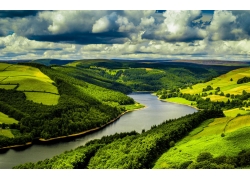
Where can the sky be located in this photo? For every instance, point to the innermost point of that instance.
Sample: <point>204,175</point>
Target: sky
<point>163,32</point>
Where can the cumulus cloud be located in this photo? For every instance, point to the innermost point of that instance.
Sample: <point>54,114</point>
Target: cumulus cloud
<point>18,46</point>
<point>125,34</point>
<point>105,23</point>
<point>177,26</point>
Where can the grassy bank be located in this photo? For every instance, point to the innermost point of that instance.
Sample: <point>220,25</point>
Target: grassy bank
<point>221,136</point>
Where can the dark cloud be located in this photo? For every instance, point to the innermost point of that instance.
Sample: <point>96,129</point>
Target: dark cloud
<point>47,49</point>
<point>141,52</point>
<point>84,38</point>
<point>160,11</point>
<point>207,11</point>
<point>184,38</point>
<point>10,54</point>
<point>2,46</point>
<point>17,13</point>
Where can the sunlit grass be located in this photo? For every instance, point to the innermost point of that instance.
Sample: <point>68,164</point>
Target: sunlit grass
<point>224,82</point>
<point>237,123</point>
<point>44,98</point>
<point>6,132</point>
<point>7,86</point>
<point>180,101</point>
<point>3,66</point>
<point>133,106</point>
<point>6,119</point>
<point>217,98</point>
<point>29,79</point>
<point>234,112</point>
<point>207,138</point>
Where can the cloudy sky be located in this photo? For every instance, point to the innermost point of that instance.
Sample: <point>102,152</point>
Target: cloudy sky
<point>125,34</point>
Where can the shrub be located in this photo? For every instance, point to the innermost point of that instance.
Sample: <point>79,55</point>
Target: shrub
<point>185,164</point>
<point>204,156</point>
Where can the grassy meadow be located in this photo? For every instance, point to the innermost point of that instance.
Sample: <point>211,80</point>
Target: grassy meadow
<point>6,119</point>
<point>30,79</point>
<point>234,112</point>
<point>44,98</point>
<point>208,138</point>
<point>224,82</point>
<point>6,132</point>
<point>181,101</point>
<point>133,106</point>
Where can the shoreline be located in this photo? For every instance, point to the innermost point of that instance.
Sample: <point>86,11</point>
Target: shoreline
<point>181,104</point>
<point>165,100</point>
<point>41,140</point>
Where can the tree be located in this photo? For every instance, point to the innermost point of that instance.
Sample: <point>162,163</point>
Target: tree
<point>222,94</point>
<point>204,156</point>
<point>3,125</point>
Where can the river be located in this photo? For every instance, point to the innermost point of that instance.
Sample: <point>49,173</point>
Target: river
<point>154,113</point>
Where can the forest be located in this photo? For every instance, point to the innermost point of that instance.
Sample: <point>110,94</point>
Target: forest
<point>127,150</point>
<point>92,93</point>
<point>147,75</point>
<point>78,110</point>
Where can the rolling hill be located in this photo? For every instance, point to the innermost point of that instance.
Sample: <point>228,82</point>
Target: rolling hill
<point>36,85</point>
<point>221,137</point>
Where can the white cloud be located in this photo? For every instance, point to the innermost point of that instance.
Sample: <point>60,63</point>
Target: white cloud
<point>105,23</point>
<point>147,35</point>
<point>177,26</point>
<point>71,21</point>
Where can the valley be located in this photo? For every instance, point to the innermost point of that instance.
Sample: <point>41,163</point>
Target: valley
<point>43,101</point>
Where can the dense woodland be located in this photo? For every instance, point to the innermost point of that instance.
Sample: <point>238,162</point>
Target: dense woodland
<point>91,94</point>
<point>77,110</point>
<point>127,150</point>
<point>133,74</point>
<point>205,160</point>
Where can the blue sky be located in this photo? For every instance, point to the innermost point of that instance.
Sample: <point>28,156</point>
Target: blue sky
<point>125,34</point>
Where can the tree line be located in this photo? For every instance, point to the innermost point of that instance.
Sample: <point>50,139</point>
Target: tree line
<point>75,112</point>
<point>129,150</point>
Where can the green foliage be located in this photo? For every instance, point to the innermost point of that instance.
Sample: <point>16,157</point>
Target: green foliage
<point>77,158</point>
<point>141,150</point>
<point>206,161</point>
<point>208,88</point>
<point>143,76</point>
<point>204,156</point>
<point>81,106</point>
<point>243,80</point>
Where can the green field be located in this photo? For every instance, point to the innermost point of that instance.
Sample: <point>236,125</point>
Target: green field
<point>224,82</point>
<point>29,79</point>
<point>6,132</point>
<point>207,138</point>
<point>235,112</point>
<point>6,119</point>
<point>7,86</point>
<point>217,98</point>
<point>133,106</point>
<point>44,98</point>
<point>3,66</point>
<point>180,101</point>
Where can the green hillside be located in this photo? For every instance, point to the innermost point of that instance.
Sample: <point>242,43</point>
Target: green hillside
<point>227,83</point>
<point>82,106</point>
<point>146,75</point>
<point>36,85</point>
<point>127,150</point>
<point>230,92</point>
<point>220,137</point>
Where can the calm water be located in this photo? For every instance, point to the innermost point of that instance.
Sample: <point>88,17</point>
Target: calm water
<point>155,112</point>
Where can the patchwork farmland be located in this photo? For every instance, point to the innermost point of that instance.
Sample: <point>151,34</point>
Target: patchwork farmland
<point>37,86</point>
